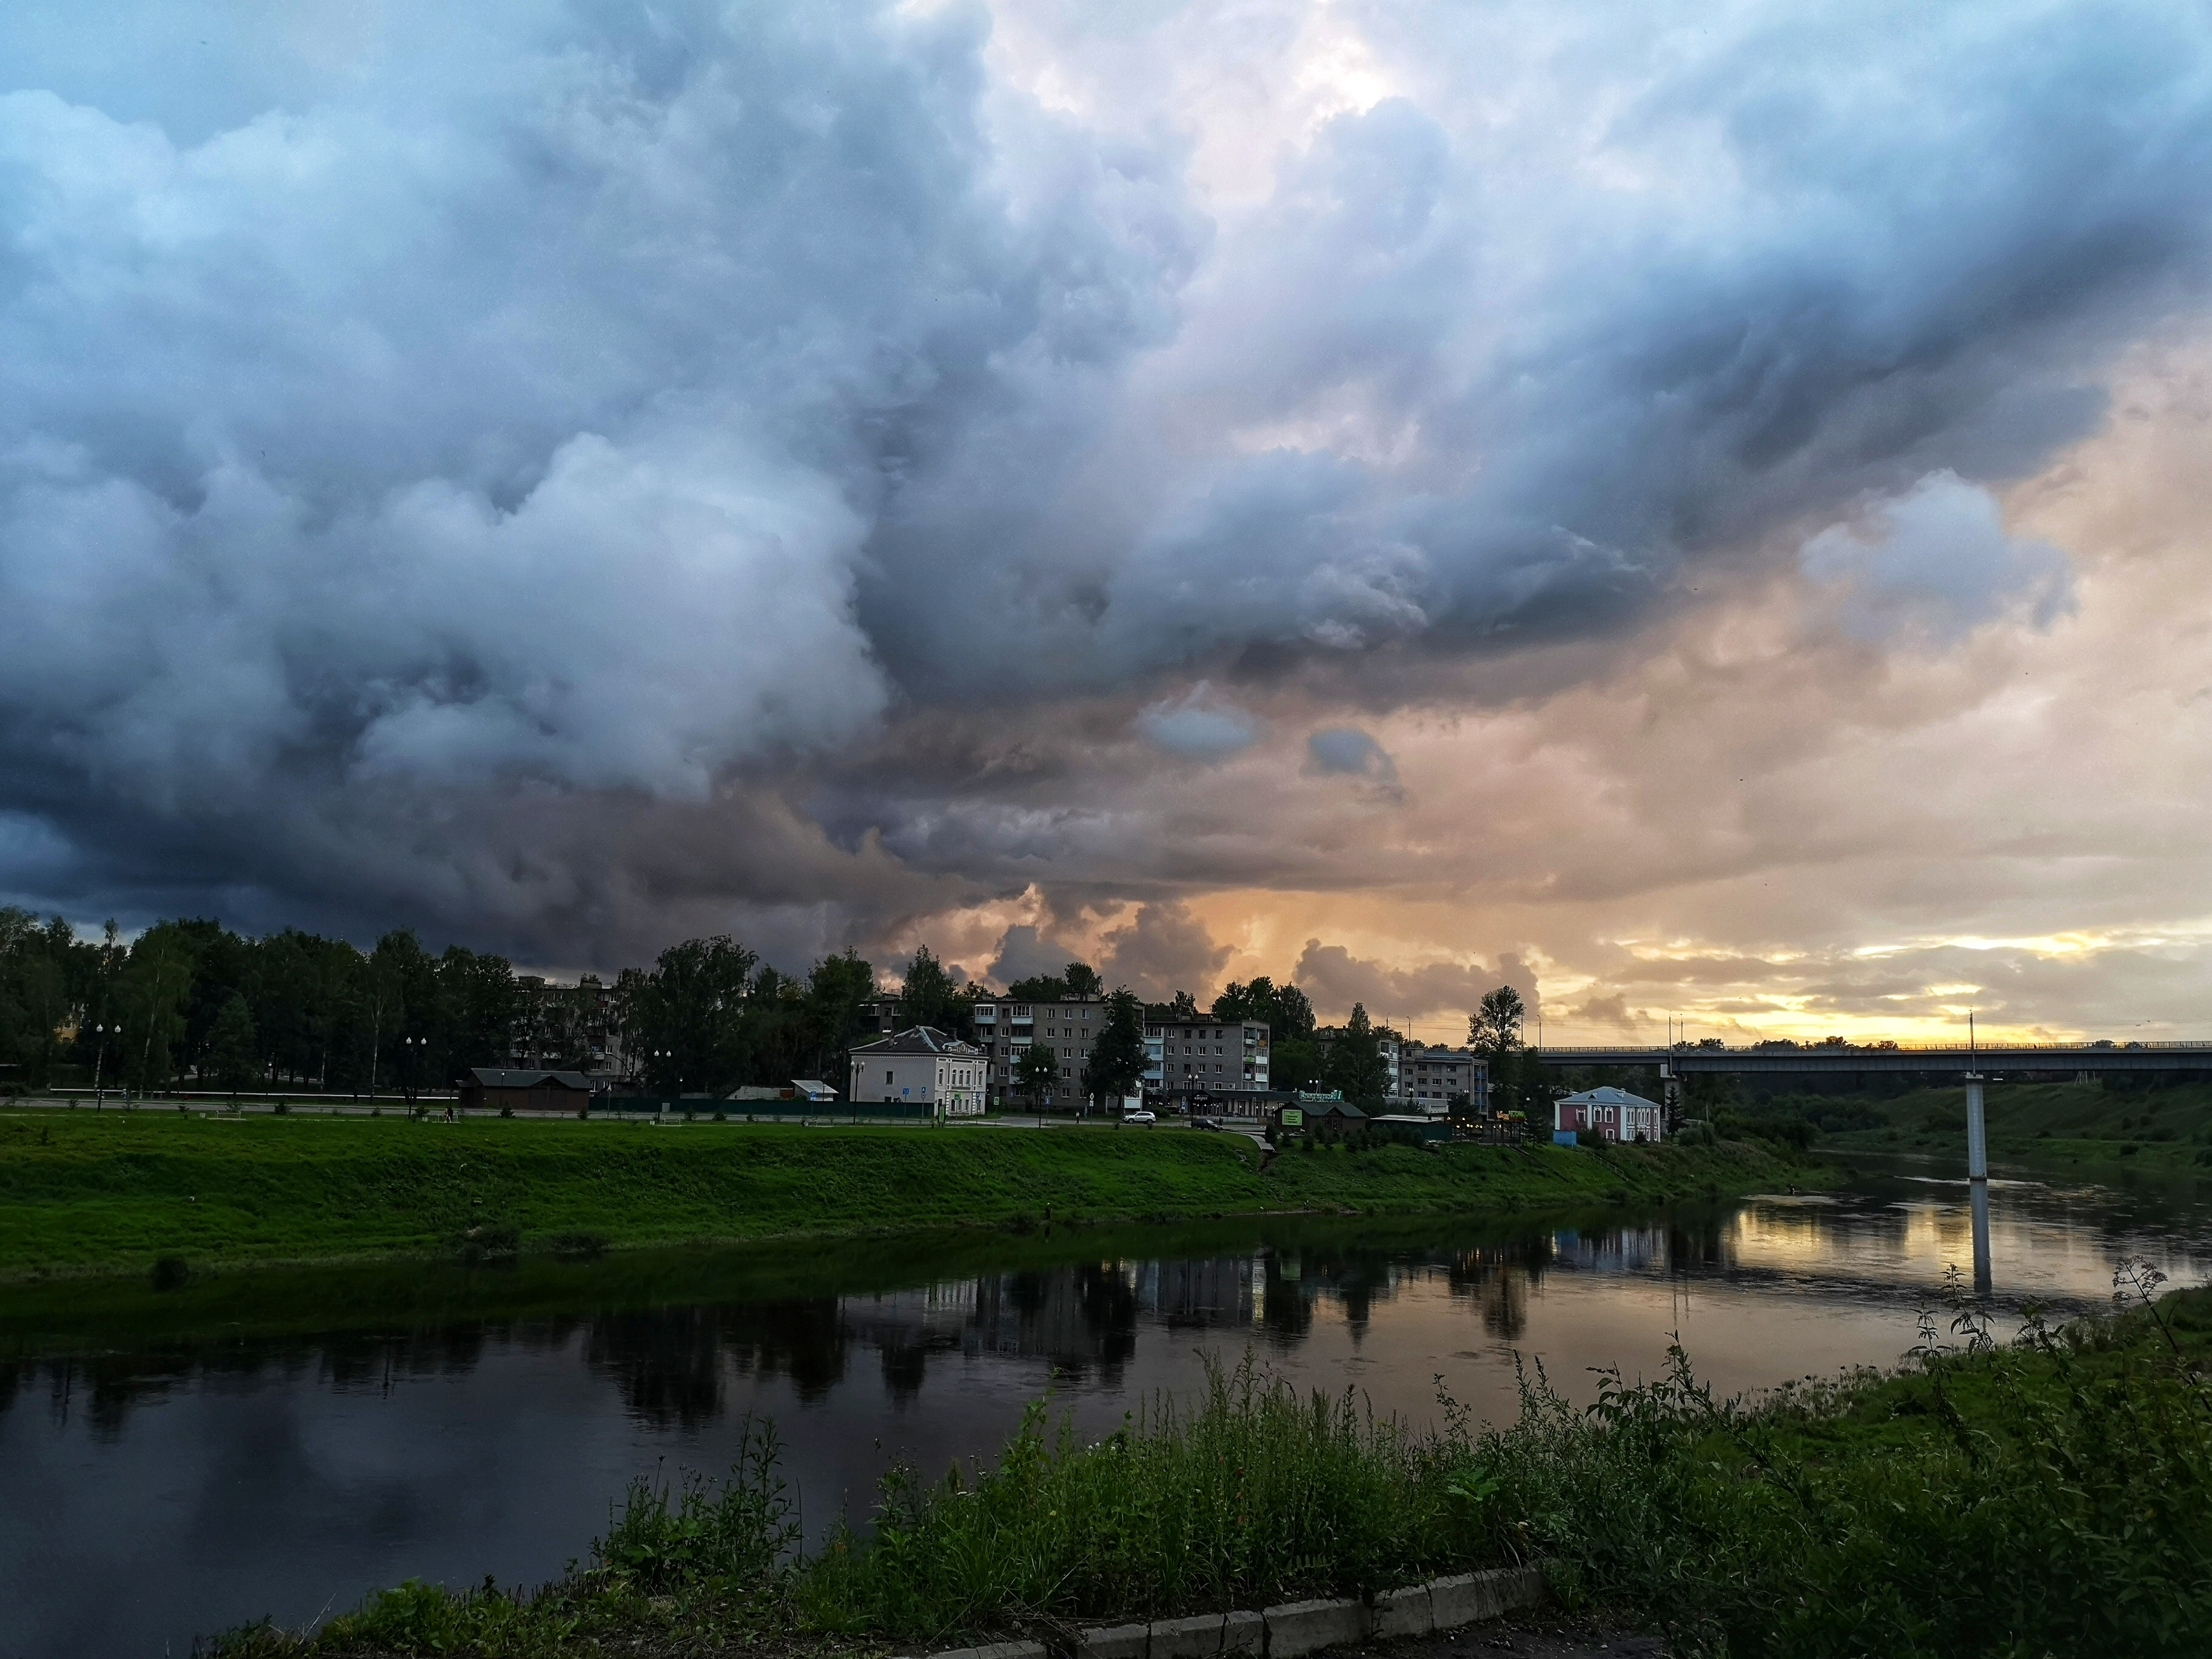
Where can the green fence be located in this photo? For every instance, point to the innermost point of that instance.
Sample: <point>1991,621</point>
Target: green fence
<point>766,1111</point>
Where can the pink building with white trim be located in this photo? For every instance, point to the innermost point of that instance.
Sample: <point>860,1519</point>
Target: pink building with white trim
<point>1613,1113</point>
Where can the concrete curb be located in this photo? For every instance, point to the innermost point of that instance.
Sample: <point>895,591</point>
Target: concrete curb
<point>1299,1627</point>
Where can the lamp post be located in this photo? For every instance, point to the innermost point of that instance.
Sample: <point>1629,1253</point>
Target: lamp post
<point>661,1057</point>
<point>99,1055</point>
<point>410,1049</point>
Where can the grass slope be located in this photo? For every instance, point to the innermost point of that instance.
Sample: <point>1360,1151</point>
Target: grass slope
<point>113,1192</point>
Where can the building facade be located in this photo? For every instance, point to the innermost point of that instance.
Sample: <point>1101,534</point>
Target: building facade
<point>922,1066</point>
<point>1612,1114</point>
<point>1430,1077</point>
<point>525,1089</point>
<point>1205,1057</point>
<point>1005,1027</point>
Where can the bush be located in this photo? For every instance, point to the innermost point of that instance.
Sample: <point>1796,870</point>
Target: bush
<point>170,1272</point>
<point>280,1108</point>
<point>507,1111</point>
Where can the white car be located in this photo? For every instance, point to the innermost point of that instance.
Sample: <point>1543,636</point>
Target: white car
<point>1138,1116</point>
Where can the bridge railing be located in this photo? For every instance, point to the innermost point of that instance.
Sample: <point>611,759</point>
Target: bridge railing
<point>1890,1049</point>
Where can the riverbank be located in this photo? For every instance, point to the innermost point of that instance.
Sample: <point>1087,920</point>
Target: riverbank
<point>2090,1127</point>
<point>2042,1497</point>
<point>122,1192</point>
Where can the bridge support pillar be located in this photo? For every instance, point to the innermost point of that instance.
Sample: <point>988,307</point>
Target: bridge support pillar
<point>1978,1181</point>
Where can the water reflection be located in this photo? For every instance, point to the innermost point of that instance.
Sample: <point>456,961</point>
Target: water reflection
<point>145,1496</point>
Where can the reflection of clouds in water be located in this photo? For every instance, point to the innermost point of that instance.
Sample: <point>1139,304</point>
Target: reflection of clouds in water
<point>269,1476</point>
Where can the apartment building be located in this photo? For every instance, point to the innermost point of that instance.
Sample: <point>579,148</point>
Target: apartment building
<point>1003,1028</point>
<point>1430,1075</point>
<point>1204,1055</point>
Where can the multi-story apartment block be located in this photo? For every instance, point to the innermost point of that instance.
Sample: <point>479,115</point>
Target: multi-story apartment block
<point>1430,1077</point>
<point>1003,1028</point>
<point>1204,1055</point>
<point>565,1026</point>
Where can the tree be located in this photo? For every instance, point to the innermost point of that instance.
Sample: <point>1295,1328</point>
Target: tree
<point>152,990</point>
<point>835,991</point>
<point>929,995</point>
<point>1082,980</point>
<point>1037,1070</point>
<point>1294,1063</point>
<point>231,1051</point>
<point>1356,1065</point>
<point>684,1018</point>
<point>1285,1009</point>
<point>1116,1069</point>
<point>1184,1007</point>
<point>1493,1030</point>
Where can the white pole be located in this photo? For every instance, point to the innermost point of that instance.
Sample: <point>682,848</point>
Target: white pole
<point>1978,1162</point>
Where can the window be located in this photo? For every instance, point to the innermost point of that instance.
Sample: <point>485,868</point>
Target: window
<point>888,1078</point>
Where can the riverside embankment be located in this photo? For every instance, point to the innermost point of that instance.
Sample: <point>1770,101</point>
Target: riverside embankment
<point>85,1192</point>
<point>2041,1498</point>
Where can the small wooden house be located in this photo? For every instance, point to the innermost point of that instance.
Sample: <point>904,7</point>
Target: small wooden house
<point>489,1088</point>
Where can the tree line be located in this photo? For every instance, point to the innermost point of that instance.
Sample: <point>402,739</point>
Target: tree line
<point>191,1001</point>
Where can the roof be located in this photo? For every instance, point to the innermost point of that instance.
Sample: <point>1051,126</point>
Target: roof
<point>917,1039</point>
<point>493,1077</point>
<point>1607,1095</point>
<point>813,1088</point>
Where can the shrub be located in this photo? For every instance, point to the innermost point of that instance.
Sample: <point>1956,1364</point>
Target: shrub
<point>170,1272</point>
<point>507,1111</point>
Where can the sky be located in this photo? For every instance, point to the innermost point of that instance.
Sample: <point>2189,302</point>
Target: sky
<point>1698,512</point>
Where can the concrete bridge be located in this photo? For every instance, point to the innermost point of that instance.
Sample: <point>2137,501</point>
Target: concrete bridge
<point>1973,1063</point>
<point>1956,1058</point>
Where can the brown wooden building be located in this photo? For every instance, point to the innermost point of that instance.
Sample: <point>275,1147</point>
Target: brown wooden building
<point>491,1088</point>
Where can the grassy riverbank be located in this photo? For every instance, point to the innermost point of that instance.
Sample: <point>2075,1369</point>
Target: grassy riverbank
<point>2045,1500</point>
<point>116,1193</point>
<point>2090,1126</point>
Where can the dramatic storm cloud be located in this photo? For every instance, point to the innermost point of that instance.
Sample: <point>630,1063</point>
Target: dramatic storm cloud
<point>1045,475</point>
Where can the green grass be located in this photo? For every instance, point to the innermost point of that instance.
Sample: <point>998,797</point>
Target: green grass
<point>2057,1125</point>
<point>114,1193</point>
<point>2047,1500</point>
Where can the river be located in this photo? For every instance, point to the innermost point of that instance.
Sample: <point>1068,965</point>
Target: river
<point>320,1435</point>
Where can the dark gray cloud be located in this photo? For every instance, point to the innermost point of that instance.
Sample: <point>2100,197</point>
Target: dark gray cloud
<point>1335,978</point>
<point>576,472</point>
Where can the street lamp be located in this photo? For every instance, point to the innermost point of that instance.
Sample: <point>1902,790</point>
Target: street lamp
<point>99,1055</point>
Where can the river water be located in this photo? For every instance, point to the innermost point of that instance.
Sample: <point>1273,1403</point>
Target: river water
<point>317,1436</point>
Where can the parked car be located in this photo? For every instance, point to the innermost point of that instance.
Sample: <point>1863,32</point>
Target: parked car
<point>1138,1116</point>
<point>1205,1123</point>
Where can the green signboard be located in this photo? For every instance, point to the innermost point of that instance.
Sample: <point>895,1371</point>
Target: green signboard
<point>1293,1118</point>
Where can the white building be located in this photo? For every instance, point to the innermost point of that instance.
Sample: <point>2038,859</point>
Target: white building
<point>1613,1113</point>
<point>923,1065</point>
